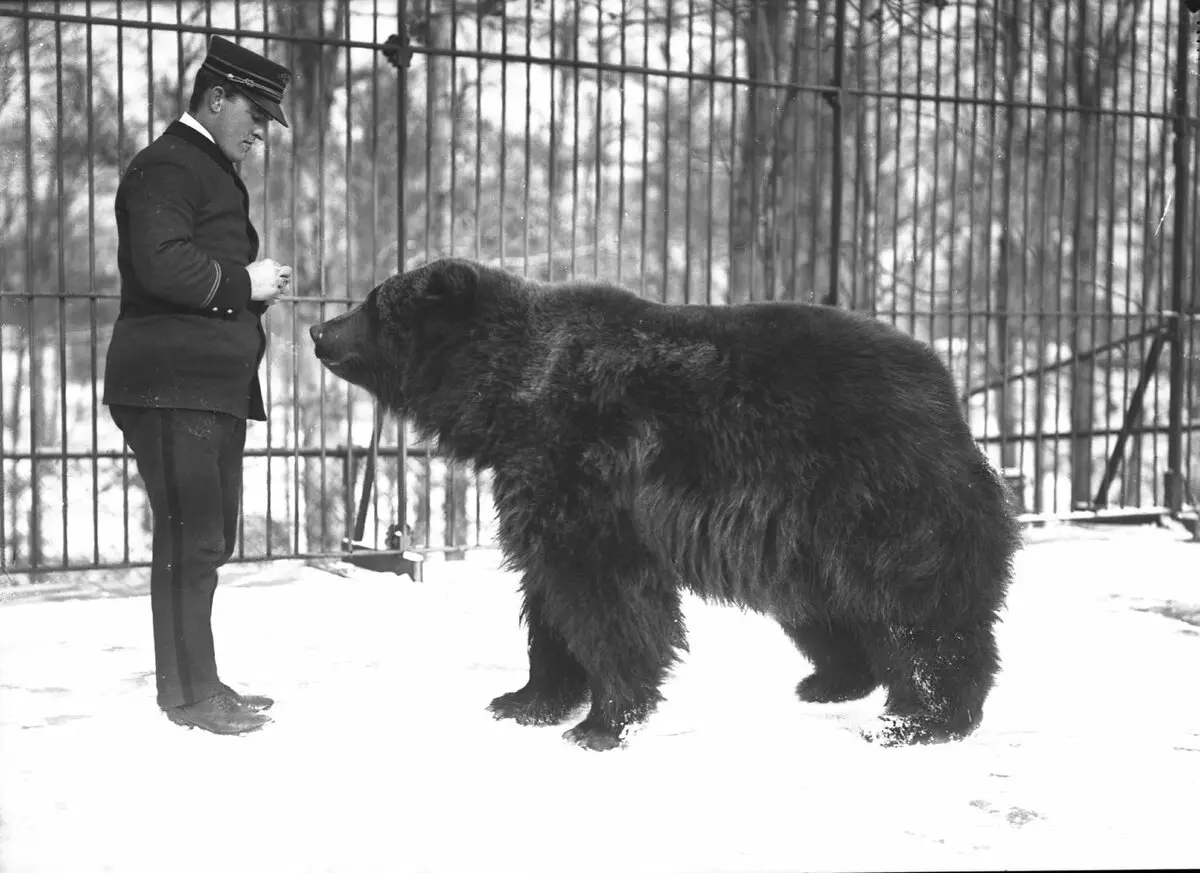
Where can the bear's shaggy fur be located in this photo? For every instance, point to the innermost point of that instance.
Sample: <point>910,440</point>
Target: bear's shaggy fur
<point>802,461</point>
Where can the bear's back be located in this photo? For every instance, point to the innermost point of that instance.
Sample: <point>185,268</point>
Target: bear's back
<point>784,365</point>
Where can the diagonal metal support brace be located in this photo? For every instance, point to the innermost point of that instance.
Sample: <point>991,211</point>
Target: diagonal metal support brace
<point>1132,415</point>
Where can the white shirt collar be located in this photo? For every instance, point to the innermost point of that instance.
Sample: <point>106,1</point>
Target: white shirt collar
<point>196,125</point>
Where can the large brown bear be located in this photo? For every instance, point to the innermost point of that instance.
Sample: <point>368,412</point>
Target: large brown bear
<point>802,461</point>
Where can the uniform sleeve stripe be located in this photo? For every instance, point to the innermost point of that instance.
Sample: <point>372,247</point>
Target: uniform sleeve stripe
<point>212,292</point>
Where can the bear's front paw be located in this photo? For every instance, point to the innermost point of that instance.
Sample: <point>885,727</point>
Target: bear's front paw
<point>589,736</point>
<point>909,730</point>
<point>827,686</point>
<point>530,707</point>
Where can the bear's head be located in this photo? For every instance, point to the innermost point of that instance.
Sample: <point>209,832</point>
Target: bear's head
<point>408,331</point>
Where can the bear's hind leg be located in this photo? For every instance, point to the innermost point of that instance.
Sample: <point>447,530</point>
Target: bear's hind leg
<point>841,666</point>
<point>938,679</point>
<point>557,682</point>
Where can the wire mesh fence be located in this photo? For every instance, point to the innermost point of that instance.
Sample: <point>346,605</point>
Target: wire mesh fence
<point>1008,181</point>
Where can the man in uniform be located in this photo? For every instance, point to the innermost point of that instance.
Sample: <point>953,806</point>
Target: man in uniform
<point>181,377</point>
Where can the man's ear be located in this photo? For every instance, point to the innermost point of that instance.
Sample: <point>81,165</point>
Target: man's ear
<point>452,283</point>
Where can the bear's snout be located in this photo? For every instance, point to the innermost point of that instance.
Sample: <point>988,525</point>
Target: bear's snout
<point>321,345</point>
<point>337,337</point>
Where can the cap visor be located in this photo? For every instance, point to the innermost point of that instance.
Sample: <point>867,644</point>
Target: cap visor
<point>272,109</point>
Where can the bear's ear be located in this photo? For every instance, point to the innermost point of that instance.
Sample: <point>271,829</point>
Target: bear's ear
<point>452,283</point>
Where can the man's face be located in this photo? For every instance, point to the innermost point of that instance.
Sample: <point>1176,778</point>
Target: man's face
<point>238,125</point>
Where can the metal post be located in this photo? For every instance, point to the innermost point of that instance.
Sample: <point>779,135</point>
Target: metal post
<point>1173,484</point>
<point>835,231</point>
<point>396,50</point>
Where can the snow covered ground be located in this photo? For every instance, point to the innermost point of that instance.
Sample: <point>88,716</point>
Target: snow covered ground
<point>382,756</point>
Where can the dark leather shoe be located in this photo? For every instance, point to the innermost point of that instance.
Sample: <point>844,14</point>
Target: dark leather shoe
<point>220,714</point>
<point>257,702</point>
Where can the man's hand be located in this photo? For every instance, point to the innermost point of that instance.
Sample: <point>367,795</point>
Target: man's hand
<point>268,279</point>
<point>284,278</point>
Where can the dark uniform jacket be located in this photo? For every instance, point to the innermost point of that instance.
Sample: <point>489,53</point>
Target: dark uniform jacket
<point>187,336</point>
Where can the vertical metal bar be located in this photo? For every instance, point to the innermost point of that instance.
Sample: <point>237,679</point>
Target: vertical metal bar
<point>180,70</point>
<point>503,135</point>
<point>149,74</point>
<point>35,392</point>
<point>733,294</point>
<point>1061,235</point>
<point>897,173</point>
<point>986,244</point>
<point>450,236</point>
<point>1110,258</point>
<point>1190,330</point>
<point>687,157</point>
<point>860,214</point>
<point>876,182</point>
<point>972,175</point>
<point>431,109</point>
<point>621,89</point>
<point>645,137</point>
<point>299,489</point>
<point>1095,367</point>
<point>1173,483</point>
<point>711,137</point>
<point>450,507</point>
<point>4,466</point>
<point>817,167</point>
<point>1026,308</point>
<point>93,315</point>
<point>351,233</point>
<point>268,374</point>
<point>937,177</point>
<point>917,108</point>
<point>322,124</point>
<point>502,217</point>
<point>952,215</point>
<point>1127,319</point>
<point>61,240</point>
<point>575,25</point>
<point>664,282</point>
<point>552,186</point>
<point>1020,319</point>
<point>525,217</point>
<point>756,10</point>
<point>1188,318</point>
<point>1039,444</point>
<point>373,279</point>
<point>801,214</point>
<point>401,247</point>
<point>4,416</point>
<point>1074,317</point>
<point>598,127</point>
<point>1158,497</point>
<point>479,133</point>
<point>839,138</point>
<point>125,554</point>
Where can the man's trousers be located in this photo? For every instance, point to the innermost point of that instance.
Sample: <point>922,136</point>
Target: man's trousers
<point>191,463</point>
